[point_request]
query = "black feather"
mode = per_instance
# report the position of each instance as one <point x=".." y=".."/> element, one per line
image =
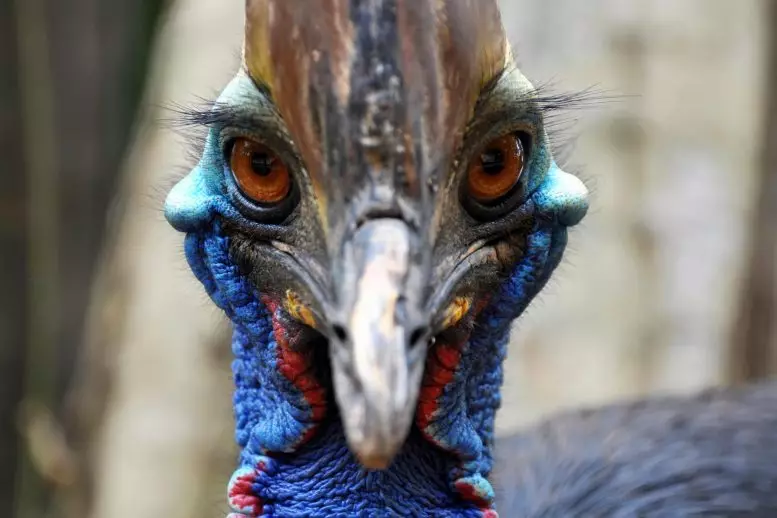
<point x="714" y="454"/>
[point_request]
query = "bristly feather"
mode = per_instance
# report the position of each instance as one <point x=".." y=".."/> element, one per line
<point x="561" y="113"/>
<point x="191" y="137"/>
<point x="707" y="455"/>
<point x="558" y="111"/>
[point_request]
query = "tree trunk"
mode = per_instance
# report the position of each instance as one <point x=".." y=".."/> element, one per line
<point x="152" y="391"/>
<point x="754" y="345"/>
<point x="13" y="259"/>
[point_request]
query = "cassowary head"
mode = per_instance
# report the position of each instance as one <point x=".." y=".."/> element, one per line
<point x="375" y="203"/>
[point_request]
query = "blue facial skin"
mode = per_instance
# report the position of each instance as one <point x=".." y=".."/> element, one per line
<point x="292" y="465"/>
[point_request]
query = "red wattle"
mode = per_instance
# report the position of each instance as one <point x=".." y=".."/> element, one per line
<point x="297" y="367"/>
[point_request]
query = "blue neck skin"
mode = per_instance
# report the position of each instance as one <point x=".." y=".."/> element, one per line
<point x="295" y="461"/>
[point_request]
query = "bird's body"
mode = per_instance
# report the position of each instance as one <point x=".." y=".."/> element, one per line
<point x="376" y="202"/>
<point x="712" y="455"/>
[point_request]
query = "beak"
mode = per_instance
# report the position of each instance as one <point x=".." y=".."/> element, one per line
<point x="379" y="345"/>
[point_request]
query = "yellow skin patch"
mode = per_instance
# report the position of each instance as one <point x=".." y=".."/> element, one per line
<point x="297" y="310"/>
<point x="457" y="311"/>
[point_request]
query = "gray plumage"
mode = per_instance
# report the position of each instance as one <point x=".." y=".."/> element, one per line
<point x="714" y="454"/>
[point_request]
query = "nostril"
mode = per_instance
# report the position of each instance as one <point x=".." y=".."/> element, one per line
<point x="390" y="211"/>
<point x="418" y="336"/>
<point x="339" y="332"/>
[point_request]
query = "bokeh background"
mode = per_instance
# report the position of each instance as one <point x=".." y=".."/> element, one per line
<point x="114" y="367"/>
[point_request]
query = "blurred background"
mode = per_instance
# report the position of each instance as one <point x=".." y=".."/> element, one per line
<point x="114" y="366"/>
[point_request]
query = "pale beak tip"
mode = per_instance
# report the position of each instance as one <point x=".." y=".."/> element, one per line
<point x="374" y="459"/>
<point x="376" y="452"/>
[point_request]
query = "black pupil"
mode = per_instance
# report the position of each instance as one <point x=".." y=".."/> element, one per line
<point x="493" y="161"/>
<point x="261" y="163"/>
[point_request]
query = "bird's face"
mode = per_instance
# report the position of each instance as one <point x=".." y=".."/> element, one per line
<point x="376" y="167"/>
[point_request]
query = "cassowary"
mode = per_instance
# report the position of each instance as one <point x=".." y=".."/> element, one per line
<point x="375" y="203"/>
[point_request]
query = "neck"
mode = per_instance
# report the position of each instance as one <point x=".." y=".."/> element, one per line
<point x="322" y="478"/>
<point x="294" y="458"/>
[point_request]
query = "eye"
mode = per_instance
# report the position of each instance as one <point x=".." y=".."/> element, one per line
<point x="495" y="170"/>
<point x="259" y="172"/>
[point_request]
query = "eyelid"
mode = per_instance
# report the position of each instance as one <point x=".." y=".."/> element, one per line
<point x="229" y="134"/>
<point x="261" y="123"/>
<point x="275" y="141"/>
<point x="483" y="129"/>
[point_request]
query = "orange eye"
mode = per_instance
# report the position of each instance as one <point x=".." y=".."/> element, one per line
<point x="261" y="175"/>
<point x="496" y="169"/>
